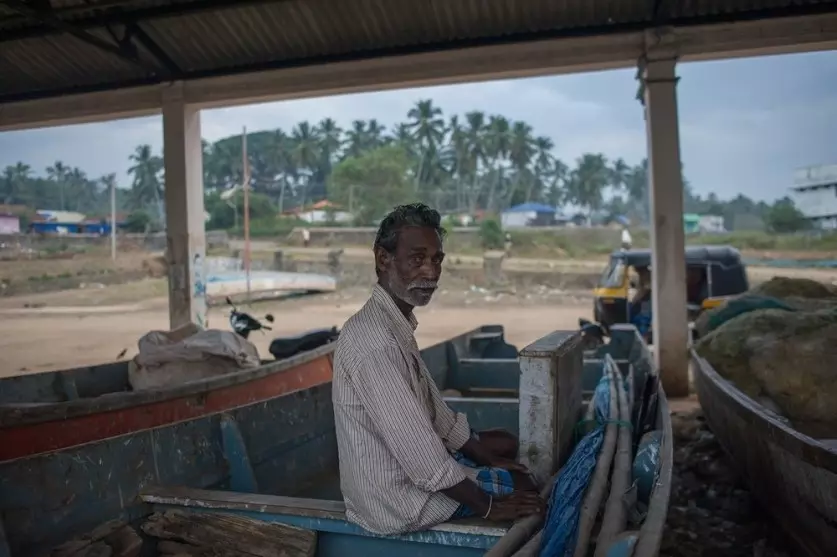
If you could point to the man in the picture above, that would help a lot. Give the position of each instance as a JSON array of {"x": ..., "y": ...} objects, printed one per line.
[
  {"x": 627, "y": 241},
  {"x": 407, "y": 461},
  {"x": 306, "y": 237},
  {"x": 639, "y": 310}
]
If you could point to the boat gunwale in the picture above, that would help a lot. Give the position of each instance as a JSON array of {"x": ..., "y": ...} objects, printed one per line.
[
  {"x": 765, "y": 423},
  {"x": 12, "y": 415},
  {"x": 653, "y": 526}
]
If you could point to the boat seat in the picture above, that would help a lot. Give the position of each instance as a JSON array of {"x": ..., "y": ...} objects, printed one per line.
[
  {"x": 316, "y": 514},
  {"x": 286, "y": 347}
]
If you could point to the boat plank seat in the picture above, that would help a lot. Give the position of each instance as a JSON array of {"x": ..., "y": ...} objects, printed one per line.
[{"x": 328, "y": 518}]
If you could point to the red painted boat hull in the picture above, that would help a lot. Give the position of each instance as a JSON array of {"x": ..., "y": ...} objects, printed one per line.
[{"x": 58, "y": 426}]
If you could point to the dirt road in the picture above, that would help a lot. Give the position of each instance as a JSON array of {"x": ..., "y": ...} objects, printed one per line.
[{"x": 51, "y": 338}]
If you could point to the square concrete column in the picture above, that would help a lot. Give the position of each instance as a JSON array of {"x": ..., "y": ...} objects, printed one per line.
[
  {"x": 668, "y": 261},
  {"x": 184, "y": 209},
  {"x": 550, "y": 401}
]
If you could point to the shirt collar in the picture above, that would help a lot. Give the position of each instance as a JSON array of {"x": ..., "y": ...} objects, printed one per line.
[{"x": 382, "y": 298}]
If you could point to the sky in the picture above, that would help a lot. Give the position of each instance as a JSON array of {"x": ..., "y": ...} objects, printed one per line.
[{"x": 745, "y": 124}]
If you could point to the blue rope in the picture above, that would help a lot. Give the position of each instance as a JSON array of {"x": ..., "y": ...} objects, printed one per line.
[{"x": 560, "y": 530}]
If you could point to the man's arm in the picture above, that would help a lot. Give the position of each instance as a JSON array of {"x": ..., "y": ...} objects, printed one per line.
[
  {"x": 380, "y": 381},
  {"x": 451, "y": 426}
]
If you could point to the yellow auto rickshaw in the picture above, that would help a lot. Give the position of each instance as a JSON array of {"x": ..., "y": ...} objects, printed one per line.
[{"x": 716, "y": 272}]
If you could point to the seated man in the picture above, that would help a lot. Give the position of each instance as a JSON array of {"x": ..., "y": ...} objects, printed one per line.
[
  {"x": 407, "y": 461},
  {"x": 639, "y": 309}
]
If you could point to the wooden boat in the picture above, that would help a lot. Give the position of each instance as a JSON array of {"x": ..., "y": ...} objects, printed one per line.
[
  {"x": 794, "y": 476},
  {"x": 76, "y": 446},
  {"x": 276, "y": 460},
  {"x": 58, "y": 410}
]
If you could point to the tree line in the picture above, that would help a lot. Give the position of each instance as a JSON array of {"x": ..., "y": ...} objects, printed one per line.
[{"x": 457, "y": 163}]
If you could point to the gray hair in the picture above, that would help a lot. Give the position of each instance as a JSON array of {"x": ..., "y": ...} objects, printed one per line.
[{"x": 414, "y": 214}]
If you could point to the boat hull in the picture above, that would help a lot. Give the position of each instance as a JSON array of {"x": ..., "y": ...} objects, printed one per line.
[
  {"x": 792, "y": 475},
  {"x": 32, "y": 429}
]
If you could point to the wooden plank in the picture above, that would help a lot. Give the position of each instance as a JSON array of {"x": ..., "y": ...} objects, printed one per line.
[
  {"x": 488, "y": 413},
  {"x": 651, "y": 531},
  {"x": 478, "y": 373},
  {"x": 289, "y": 506},
  {"x": 53, "y": 430},
  {"x": 232, "y": 533},
  {"x": 114, "y": 538}
]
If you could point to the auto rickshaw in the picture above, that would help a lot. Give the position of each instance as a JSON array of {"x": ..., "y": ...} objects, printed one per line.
[{"x": 721, "y": 271}]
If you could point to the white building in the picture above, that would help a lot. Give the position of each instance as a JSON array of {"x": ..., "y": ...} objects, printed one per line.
[
  {"x": 711, "y": 224},
  {"x": 814, "y": 192}
]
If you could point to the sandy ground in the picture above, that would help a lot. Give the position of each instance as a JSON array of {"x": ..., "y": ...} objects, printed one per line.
[{"x": 59, "y": 337}]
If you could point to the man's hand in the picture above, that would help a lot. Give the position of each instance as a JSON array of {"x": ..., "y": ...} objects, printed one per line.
[
  {"x": 507, "y": 464},
  {"x": 517, "y": 505}
]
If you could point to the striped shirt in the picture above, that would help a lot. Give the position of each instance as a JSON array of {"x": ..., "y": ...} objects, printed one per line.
[{"x": 395, "y": 434}]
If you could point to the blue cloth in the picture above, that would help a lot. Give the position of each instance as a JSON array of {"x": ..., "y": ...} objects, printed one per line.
[
  {"x": 639, "y": 315},
  {"x": 497, "y": 482},
  {"x": 560, "y": 529}
]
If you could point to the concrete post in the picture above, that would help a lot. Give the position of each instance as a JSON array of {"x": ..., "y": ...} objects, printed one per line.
[
  {"x": 184, "y": 209},
  {"x": 668, "y": 262},
  {"x": 550, "y": 401}
]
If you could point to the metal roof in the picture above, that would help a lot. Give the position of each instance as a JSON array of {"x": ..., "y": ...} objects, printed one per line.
[
  {"x": 723, "y": 255},
  {"x": 56, "y": 47}
]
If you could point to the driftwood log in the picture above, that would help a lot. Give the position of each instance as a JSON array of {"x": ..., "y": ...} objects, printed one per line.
[
  {"x": 220, "y": 535},
  {"x": 111, "y": 539}
]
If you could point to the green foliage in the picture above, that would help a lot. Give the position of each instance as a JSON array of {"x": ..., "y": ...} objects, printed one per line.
[
  {"x": 138, "y": 221},
  {"x": 784, "y": 217},
  {"x": 222, "y": 213},
  {"x": 457, "y": 163},
  {"x": 491, "y": 234},
  {"x": 372, "y": 183}
]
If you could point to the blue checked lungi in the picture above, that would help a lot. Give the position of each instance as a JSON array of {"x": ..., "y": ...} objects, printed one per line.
[{"x": 497, "y": 482}]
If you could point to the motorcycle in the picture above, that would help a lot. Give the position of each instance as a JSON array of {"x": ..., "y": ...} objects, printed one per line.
[
  {"x": 592, "y": 334},
  {"x": 281, "y": 348},
  {"x": 243, "y": 323}
]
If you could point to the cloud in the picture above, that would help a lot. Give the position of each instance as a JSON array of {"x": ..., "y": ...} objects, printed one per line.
[{"x": 745, "y": 124}]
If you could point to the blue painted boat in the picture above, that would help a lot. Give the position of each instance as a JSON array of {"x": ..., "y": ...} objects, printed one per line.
[{"x": 276, "y": 461}]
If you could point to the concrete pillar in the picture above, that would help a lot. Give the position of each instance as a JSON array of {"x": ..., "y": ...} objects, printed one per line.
[
  {"x": 668, "y": 262},
  {"x": 185, "y": 237}
]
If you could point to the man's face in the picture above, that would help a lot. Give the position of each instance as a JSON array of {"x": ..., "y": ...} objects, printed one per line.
[{"x": 412, "y": 272}]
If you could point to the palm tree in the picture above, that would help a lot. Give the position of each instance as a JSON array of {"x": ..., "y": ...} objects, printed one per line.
[
  {"x": 428, "y": 128},
  {"x": 588, "y": 181},
  {"x": 58, "y": 173},
  {"x": 306, "y": 155},
  {"x": 15, "y": 180},
  {"x": 146, "y": 187},
  {"x": 497, "y": 145}
]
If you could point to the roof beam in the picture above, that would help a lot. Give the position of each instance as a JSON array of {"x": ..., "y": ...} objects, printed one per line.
[
  {"x": 116, "y": 16},
  {"x": 126, "y": 50},
  {"x": 119, "y": 16},
  {"x": 525, "y": 59}
]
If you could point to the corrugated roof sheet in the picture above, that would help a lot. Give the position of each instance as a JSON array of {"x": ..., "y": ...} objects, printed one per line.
[{"x": 182, "y": 39}]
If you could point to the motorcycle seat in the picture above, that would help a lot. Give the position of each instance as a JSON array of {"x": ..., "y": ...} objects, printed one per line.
[{"x": 288, "y": 346}]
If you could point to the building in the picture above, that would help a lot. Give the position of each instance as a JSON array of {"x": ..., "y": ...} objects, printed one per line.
[
  {"x": 814, "y": 192},
  {"x": 711, "y": 224},
  {"x": 528, "y": 214},
  {"x": 321, "y": 212},
  {"x": 9, "y": 223}
]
